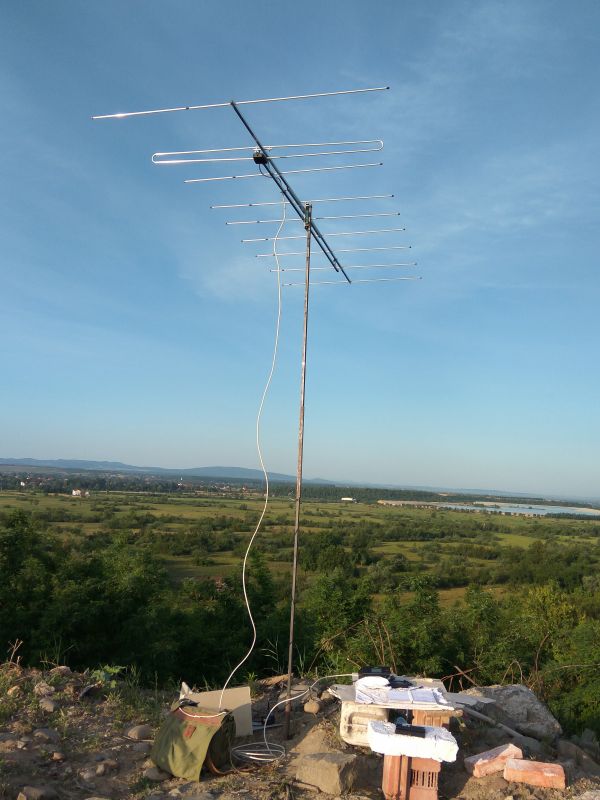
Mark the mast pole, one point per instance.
(288, 705)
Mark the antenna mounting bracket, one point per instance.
(259, 157)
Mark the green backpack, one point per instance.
(191, 736)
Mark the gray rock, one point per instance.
(572, 751)
(46, 735)
(332, 773)
(518, 707)
(87, 773)
(142, 747)
(43, 689)
(199, 796)
(37, 793)
(155, 774)
(529, 745)
(139, 732)
(299, 694)
(60, 670)
(589, 741)
(591, 794)
(48, 705)
(107, 767)
(189, 788)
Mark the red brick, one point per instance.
(491, 761)
(535, 773)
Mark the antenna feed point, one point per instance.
(259, 157)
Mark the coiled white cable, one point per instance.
(260, 457)
(266, 752)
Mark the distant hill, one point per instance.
(246, 474)
(228, 473)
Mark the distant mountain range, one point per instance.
(231, 473)
(245, 474)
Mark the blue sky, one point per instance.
(135, 326)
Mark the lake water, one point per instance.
(524, 508)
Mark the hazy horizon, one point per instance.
(500, 491)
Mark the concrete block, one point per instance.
(535, 773)
(491, 761)
(332, 773)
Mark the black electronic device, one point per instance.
(400, 683)
(370, 672)
(411, 730)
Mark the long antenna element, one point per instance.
(320, 200)
(239, 103)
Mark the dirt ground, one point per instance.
(68, 736)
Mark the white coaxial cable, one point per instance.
(262, 464)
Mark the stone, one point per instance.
(139, 732)
(518, 707)
(106, 767)
(570, 750)
(312, 707)
(591, 794)
(46, 735)
(37, 793)
(58, 756)
(43, 689)
(589, 741)
(299, 693)
(87, 773)
(155, 774)
(187, 789)
(535, 773)
(572, 771)
(48, 705)
(6, 745)
(14, 691)
(199, 796)
(491, 761)
(60, 670)
(142, 747)
(332, 773)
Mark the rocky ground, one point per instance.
(71, 736)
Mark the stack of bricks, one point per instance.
(509, 760)
(406, 778)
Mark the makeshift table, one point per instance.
(355, 715)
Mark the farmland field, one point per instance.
(199, 537)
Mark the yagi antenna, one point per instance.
(264, 157)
